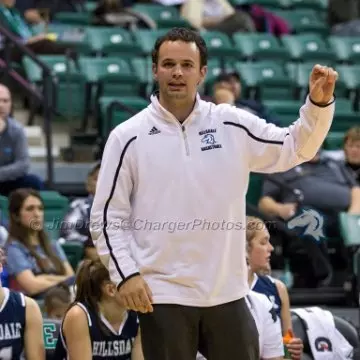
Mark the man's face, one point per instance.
(235, 86)
(178, 70)
(8, 3)
(5, 102)
(352, 151)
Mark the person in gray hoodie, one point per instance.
(14, 151)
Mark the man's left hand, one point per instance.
(322, 84)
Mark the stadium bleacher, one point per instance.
(114, 66)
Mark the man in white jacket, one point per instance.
(168, 218)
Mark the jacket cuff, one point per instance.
(121, 283)
(323, 105)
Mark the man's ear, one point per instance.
(203, 72)
(154, 71)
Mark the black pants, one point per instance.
(26, 181)
(174, 332)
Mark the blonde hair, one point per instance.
(252, 225)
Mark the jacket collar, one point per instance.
(167, 115)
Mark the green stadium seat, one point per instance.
(267, 78)
(219, 45)
(90, 6)
(317, 5)
(112, 41)
(346, 49)
(259, 46)
(164, 16)
(74, 18)
(118, 116)
(52, 222)
(307, 47)
(350, 229)
(115, 75)
(142, 67)
(286, 110)
(74, 252)
(55, 208)
(70, 90)
(53, 199)
(254, 192)
(58, 64)
(344, 117)
(304, 20)
(214, 70)
(334, 140)
(300, 73)
(3, 206)
(348, 83)
(146, 39)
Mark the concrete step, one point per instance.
(38, 153)
(34, 135)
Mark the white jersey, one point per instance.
(170, 197)
(268, 325)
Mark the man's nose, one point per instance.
(177, 71)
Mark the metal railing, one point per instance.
(46, 98)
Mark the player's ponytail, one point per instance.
(90, 278)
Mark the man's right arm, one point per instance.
(111, 210)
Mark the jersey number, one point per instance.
(49, 340)
(6, 353)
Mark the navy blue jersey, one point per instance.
(265, 284)
(106, 345)
(12, 326)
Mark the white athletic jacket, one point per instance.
(170, 198)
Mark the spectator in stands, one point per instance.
(232, 81)
(28, 9)
(322, 183)
(259, 251)
(224, 96)
(56, 302)
(41, 44)
(75, 225)
(14, 153)
(327, 189)
(343, 11)
(352, 153)
(35, 264)
(216, 15)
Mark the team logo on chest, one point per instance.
(208, 140)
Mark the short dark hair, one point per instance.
(95, 169)
(185, 35)
(227, 76)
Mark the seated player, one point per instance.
(56, 302)
(21, 325)
(259, 251)
(97, 326)
(268, 325)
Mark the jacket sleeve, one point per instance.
(110, 213)
(273, 149)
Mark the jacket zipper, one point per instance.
(185, 141)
